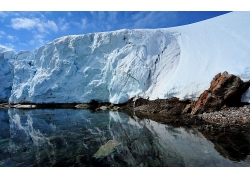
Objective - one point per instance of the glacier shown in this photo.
(118, 65)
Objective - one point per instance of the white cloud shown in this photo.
(34, 23)
(3, 48)
(12, 38)
(24, 23)
(63, 25)
(50, 25)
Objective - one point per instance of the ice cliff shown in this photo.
(6, 73)
(119, 65)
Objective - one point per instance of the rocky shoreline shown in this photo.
(218, 108)
(228, 119)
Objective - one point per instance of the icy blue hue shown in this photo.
(6, 74)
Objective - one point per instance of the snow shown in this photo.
(118, 65)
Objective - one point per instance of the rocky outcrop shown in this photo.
(225, 89)
(220, 104)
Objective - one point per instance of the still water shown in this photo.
(72, 137)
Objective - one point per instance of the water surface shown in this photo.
(73, 137)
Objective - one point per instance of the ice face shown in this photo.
(6, 74)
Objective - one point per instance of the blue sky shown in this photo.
(28, 30)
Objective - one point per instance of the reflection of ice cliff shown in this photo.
(139, 146)
(186, 147)
(68, 137)
(16, 126)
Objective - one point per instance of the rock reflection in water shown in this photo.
(72, 137)
(235, 147)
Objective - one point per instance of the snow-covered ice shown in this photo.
(119, 65)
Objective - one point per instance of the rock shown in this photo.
(188, 108)
(23, 106)
(225, 89)
(106, 149)
(116, 108)
(82, 106)
(111, 106)
(103, 108)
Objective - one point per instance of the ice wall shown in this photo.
(6, 74)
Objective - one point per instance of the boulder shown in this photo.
(25, 106)
(103, 108)
(116, 108)
(82, 106)
(225, 89)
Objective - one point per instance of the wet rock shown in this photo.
(106, 149)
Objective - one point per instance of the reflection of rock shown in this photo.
(235, 147)
(106, 149)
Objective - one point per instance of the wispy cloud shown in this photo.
(69, 14)
(83, 23)
(38, 40)
(12, 38)
(9, 46)
(63, 25)
(3, 48)
(3, 14)
(34, 23)
(104, 21)
(2, 33)
(152, 19)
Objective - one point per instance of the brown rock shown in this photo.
(225, 89)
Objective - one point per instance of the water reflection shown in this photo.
(72, 137)
(235, 147)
